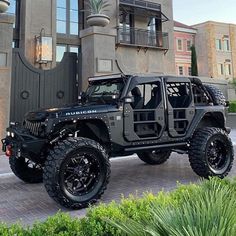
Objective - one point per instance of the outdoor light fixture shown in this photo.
(4, 5)
(43, 50)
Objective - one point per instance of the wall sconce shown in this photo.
(43, 50)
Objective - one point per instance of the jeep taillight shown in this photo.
(9, 151)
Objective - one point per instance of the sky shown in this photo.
(191, 12)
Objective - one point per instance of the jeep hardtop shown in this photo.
(68, 148)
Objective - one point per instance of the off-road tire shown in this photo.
(216, 94)
(53, 172)
(201, 149)
(21, 168)
(154, 158)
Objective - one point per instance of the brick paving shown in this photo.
(26, 203)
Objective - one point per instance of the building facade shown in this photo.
(143, 31)
(184, 38)
(216, 49)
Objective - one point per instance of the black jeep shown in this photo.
(69, 148)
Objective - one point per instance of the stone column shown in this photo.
(6, 38)
(98, 46)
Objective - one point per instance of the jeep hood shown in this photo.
(69, 111)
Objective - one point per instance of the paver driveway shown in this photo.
(25, 202)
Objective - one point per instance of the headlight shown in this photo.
(8, 133)
(12, 135)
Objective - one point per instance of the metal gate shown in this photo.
(33, 88)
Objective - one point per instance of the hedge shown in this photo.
(206, 204)
(232, 107)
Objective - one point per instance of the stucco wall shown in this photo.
(131, 60)
(36, 15)
(6, 31)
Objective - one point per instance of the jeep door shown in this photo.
(180, 105)
(144, 118)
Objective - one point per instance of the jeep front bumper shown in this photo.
(21, 141)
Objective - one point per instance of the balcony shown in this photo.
(142, 38)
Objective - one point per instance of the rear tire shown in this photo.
(211, 153)
(26, 170)
(76, 172)
(154, 158)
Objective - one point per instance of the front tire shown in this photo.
(211, 153)
(155, 157)
(26, 170)
(77, 172)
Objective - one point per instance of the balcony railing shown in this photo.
(143, 38)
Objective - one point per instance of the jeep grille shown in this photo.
(35, 128)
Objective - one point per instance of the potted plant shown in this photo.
(97, 15)
(4, 4)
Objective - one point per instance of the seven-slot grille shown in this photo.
(33, 127)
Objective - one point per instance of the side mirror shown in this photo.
(128, 100)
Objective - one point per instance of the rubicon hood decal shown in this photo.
(86, 112)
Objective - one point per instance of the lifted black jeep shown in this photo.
(69, 148)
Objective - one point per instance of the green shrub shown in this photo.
(232, 107)
(195, 209)
(205, 210)
(15, 229)
(61, 224)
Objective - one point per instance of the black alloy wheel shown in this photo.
(80, 173)
(77, 172)
(211, 152)
(218, 157)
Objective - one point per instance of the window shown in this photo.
(14, 9)
(154, 32)
(226, 45)
(74, 49)
(181, 70)
(126, 23)
(228, 69)
(179, 45)
(61, 16)
(67, 17)
(218, 45)
(152, 36)
(61, 49)
(189, 45)
(220, 69)
(189, 71)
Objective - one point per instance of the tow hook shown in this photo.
(8, 150)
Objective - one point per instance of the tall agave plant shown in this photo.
(98, 6)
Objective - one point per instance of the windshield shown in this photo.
(105, 91)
